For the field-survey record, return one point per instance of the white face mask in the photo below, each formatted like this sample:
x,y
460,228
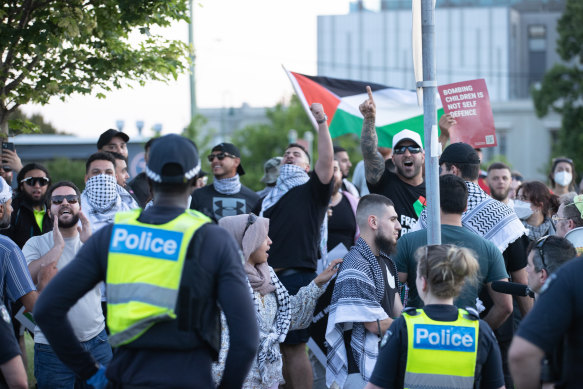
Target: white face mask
x,y
522,209
563,178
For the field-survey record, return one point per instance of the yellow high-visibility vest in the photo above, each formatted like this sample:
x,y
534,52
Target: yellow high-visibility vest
x,y
144,269
441,354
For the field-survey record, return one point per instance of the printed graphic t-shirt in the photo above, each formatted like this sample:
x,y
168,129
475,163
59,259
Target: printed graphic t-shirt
x,y
409,200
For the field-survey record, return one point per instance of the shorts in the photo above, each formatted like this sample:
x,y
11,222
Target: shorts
x,y
293,279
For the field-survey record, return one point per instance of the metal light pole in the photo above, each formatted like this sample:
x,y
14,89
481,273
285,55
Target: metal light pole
x,y
192,57
429,85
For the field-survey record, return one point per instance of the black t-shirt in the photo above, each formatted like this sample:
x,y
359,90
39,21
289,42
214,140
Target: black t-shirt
x,y
391,283
295,222
341,225
409,200
8,346
145,367
389,371
217,205
558,314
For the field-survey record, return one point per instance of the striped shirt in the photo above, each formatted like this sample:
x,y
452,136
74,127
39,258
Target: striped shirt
x,y
15,280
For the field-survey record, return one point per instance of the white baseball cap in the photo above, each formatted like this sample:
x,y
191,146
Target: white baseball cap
x,y
407,135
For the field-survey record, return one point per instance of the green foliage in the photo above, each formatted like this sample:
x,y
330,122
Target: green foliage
x,y
194,132
20,123
260,142
562,87
61,47
65,169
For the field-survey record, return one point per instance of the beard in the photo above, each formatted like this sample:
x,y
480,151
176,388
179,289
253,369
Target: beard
x,y
68,224
400,167
385,245
499,195
32,201
5,221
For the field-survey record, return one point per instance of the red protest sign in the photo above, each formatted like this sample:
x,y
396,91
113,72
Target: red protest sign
x,y
469,104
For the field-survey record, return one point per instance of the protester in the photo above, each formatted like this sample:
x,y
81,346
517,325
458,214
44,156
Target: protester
x,y
296,208
12,371
103,197
517,180
342,226
562,176
406,187
545,257
555,319
453,195
366,295
277,310
198,268
113,141
534,205
56,249
569,215
417,351
140,182
29,217
226,196
499,181
341,155
271,172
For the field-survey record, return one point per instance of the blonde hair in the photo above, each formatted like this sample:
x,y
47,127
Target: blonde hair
x,y
446,268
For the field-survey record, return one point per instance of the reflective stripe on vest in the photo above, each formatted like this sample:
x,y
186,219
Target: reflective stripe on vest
x,y
441,354
144,269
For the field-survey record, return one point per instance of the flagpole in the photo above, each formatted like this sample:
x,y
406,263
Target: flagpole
x,y
302,98
432,147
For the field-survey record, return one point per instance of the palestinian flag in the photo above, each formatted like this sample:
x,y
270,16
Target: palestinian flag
x,y
397,109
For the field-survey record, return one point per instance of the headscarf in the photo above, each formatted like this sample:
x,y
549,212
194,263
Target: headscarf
x,y
250,232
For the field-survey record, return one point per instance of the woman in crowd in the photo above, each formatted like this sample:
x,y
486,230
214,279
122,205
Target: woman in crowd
x,y
277,311
535,205
562,176
439,346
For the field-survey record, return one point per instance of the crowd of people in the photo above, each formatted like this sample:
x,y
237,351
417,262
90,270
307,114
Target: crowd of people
x,y
163,281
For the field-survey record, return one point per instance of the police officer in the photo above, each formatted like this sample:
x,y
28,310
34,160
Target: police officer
x,y
165,269
439,346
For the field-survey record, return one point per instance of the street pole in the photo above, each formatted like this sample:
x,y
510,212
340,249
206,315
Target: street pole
x,y
192,57
432,147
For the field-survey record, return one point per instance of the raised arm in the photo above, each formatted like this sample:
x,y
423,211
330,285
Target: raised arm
x,y
374,164
324,167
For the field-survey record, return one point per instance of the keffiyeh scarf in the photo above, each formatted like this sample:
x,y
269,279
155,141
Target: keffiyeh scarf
x,y
228,186
356,299
268,351
101,190
535,233
489,218
290,176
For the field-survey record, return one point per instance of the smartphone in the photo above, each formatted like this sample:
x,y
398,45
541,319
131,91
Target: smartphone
x,y
8,146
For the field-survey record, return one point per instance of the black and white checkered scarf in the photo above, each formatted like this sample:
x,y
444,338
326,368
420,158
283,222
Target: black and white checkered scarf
x,y
268,348
101,190
228,186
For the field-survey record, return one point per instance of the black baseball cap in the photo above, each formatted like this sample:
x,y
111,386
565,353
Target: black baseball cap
x,y
173,159
233,150
108,135
459,153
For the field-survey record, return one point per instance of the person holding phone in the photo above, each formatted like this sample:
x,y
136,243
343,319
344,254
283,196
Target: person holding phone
x,y
11,163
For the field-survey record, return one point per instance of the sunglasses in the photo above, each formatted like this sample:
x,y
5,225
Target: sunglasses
x,y
540,244
32,181
220,156
250,220
58,199
402,149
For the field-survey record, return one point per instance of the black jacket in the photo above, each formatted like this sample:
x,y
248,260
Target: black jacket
x,y
23,225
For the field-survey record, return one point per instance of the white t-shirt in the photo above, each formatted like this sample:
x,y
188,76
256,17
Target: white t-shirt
x,y
86,316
